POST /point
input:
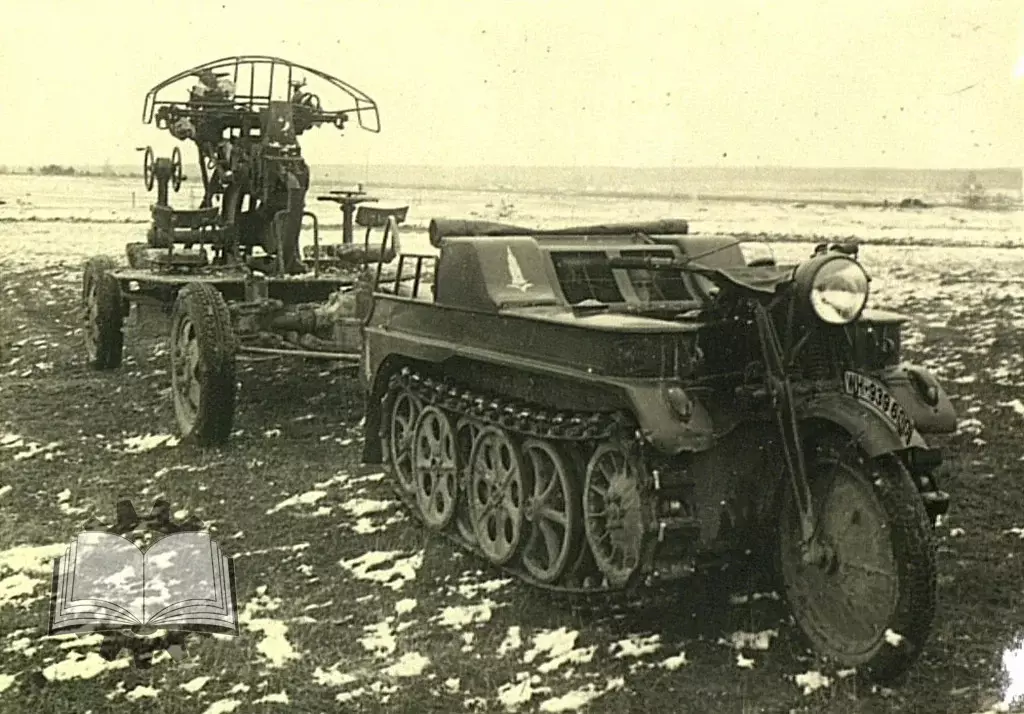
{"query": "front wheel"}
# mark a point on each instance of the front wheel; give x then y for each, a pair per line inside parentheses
(868, 603)
(203, 348)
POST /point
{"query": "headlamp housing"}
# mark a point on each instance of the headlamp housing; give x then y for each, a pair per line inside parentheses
(833, 287)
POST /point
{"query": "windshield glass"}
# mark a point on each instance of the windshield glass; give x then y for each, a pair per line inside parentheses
(587, 275)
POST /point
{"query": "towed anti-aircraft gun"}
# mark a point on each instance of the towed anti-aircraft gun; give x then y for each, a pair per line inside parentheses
(593, 408)
(230, 271)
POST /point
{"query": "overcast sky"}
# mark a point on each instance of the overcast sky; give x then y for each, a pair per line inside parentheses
(563, 82)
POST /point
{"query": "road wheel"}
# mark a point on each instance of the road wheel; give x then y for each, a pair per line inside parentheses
(869, 602)
(103, 312)
(203, 347)
(496, 495)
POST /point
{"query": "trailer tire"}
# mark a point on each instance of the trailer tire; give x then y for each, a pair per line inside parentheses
(103, 311)
(203, 348)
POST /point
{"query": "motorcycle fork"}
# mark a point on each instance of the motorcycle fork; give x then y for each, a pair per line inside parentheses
(780, 390)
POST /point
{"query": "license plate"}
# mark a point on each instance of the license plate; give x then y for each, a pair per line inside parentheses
(875, 395)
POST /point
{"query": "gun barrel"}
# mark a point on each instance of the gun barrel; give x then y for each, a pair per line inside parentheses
(441, 228)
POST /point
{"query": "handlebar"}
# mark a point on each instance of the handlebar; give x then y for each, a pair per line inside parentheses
(763, 280)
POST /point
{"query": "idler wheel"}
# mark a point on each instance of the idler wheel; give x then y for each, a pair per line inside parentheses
(466, 433)
(552, 510)
(405, 409)
(434, 467)
(496, 494)
(613, 514)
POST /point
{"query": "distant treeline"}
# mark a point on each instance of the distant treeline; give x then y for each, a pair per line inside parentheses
(58, 170)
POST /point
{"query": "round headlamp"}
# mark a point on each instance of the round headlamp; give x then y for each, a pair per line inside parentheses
(834, 286)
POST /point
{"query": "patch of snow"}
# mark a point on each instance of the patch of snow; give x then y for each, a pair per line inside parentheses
(580, 698)
(373, 566)
(332, 677)
(405, 605)
(274, 646)
(279, 698)
(515, 694)
(1015, 404)
(674, 662)
(893, 638)
(23, 562)
(357, 507)
(222, 706)
(305, 499)
(636, 647)
(147, 442)
(459, 616)
(812, 681)
(472, 589)
(411, 664)
(79, 666)
(743, 662)
(753, 640)
(141, 692)
(512, 641)
(194, 685)
(380, 638)
(349, 696)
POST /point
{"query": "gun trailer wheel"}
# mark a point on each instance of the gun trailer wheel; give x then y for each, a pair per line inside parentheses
(869, 601)
(203, 348)
(103, 313)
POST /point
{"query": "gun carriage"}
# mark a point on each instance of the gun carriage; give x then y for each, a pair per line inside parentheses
(230, 270)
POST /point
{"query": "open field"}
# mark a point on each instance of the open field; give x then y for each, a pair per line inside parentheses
(347, 605)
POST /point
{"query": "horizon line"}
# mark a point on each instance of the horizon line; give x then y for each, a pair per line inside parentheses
(743, 167)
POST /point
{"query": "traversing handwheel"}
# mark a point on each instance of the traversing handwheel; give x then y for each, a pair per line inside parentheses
(147, 168)
(176, 169)
(310, 100)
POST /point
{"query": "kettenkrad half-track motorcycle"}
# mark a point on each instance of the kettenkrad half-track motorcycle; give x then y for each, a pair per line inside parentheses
(599, 407)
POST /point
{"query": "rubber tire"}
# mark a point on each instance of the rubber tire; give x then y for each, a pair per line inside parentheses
(111, 312)
(208, 312)
(915, 557)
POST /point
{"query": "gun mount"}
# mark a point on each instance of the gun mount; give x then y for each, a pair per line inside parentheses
(245, 114)
(231, 271)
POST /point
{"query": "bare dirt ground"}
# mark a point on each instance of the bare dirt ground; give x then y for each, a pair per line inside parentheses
(347, 605)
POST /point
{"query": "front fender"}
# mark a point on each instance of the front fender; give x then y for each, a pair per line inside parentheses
(907, 383)
(868, 429)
